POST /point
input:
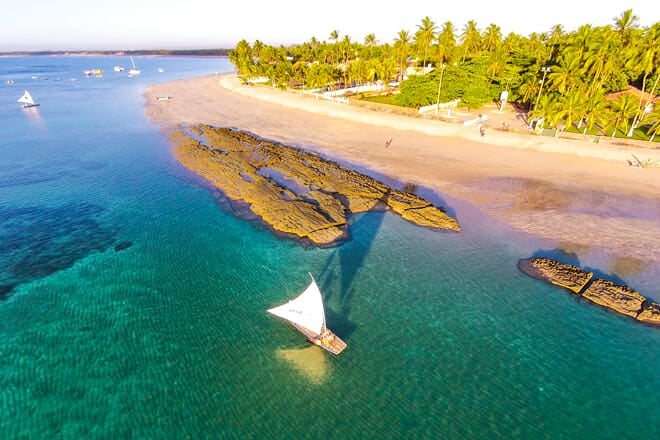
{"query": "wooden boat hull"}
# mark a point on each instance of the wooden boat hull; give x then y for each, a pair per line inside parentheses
(328, 340)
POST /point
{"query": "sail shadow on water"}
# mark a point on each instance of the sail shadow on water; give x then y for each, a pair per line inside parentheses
(351, 256)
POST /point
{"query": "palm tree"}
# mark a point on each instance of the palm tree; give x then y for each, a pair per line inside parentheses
(345, 45)
(320, 75)
(625, 25)
(496, 63)
(653, 119)
(334, 36)
(446, 42)
(470, 39)
(314, 43)
(529, 88)
(387, 70)
(267, 54)
(556, 34)
(602, 58)
(648, 58)
(401, 43)
(556, 40)
(566, 76)
(299, 69)
(370, 41)
(597, 111)
(571, 108)
(580, 41)
(536, 47)
(623, 111)
(513, 42)
(241, 57)
(492, 37)
(257, 47)
(425, 35)
(358, 72)
(547, 108)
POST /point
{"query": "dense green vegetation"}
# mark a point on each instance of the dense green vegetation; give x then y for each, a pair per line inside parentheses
(564, 78)
(163, 52)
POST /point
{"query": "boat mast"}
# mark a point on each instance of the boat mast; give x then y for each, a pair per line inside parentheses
(324, 327)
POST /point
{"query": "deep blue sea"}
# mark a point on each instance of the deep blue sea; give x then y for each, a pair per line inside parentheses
(133, 305)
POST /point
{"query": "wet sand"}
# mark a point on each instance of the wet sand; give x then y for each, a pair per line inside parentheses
(577, 193)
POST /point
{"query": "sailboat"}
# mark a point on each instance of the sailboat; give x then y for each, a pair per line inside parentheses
(27, 100)
(134, 71)
(306, 313)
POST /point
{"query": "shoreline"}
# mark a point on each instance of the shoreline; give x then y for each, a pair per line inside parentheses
(577, 193)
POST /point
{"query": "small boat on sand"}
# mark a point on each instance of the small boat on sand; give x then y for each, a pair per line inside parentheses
(306, 313)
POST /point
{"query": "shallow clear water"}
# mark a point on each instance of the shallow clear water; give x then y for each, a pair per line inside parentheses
(134, 304)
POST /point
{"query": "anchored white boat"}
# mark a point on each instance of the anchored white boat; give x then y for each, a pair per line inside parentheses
(306, 313)
(27, 100)
(134, 71)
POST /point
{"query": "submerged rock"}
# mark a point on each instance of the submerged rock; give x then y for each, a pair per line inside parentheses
(5, 290)
(616, 297)
(37, 241)
(293, 191)
(123, 245)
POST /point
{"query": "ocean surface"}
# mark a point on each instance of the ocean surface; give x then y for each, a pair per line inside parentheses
(133, 304)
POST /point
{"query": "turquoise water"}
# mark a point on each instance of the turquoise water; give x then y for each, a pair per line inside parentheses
(133, 304)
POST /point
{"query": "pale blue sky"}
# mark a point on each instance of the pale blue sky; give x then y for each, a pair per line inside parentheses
(183, 24)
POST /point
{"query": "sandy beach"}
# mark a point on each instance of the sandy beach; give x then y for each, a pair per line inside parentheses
(578, 193)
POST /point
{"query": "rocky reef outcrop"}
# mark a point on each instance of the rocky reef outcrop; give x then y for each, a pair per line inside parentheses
(619, 298)
(551, 271)
(295, 192)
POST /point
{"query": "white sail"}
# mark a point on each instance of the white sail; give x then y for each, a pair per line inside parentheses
(305, 310)
(134, 70)
(26, 98)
